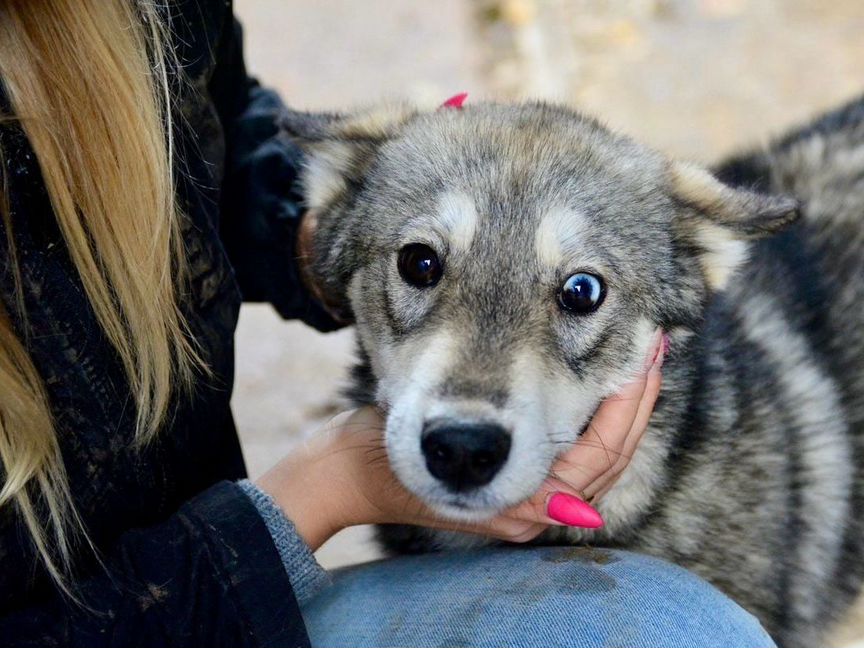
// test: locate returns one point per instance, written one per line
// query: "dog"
(506, 265)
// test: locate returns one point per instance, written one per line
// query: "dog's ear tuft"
(306, 128)
(369, 124)
(747, 213)
(338, 152)
(722, 219)
(339, 147)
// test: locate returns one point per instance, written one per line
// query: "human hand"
(341, 477)
(588, 470)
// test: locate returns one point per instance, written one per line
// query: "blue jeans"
(538, 596)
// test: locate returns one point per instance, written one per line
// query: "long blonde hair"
(88, 81)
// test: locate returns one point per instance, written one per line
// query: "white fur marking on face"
(408, 377)
(414, 370)
(457, 219)
(545, 411)
(556, 234)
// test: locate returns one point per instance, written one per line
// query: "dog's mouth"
(458, 504)
(474, 507)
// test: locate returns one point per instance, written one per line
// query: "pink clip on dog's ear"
(455, 101)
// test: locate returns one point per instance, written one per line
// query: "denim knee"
(562, 596)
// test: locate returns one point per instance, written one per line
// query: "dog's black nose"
(465, 456)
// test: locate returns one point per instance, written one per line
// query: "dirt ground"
(696, 78)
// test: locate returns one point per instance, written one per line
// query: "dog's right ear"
(338, 151)
(722, 220)
(339, 148)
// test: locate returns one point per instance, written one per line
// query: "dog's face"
(506, 267)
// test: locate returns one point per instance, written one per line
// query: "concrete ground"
(697, 78)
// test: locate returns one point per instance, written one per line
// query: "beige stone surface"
(697, 78)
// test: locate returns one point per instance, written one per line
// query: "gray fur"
(750, 472)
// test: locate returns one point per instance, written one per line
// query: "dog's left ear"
(338, 151)
(721, 219)
(339, 148)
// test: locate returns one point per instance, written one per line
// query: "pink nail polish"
(572, 511)
(653, 349)
(665, 351)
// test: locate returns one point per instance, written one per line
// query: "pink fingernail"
(572, 511)
(654, 349)
(665, 350)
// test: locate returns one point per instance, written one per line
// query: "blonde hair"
(89, 85)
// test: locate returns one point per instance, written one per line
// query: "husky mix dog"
(506, 265)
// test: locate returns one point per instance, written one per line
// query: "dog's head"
(505, 267)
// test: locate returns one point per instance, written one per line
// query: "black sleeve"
(208, 576)
(261, 206)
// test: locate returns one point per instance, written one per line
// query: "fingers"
(653, 382)
(511, 530)
(501, 527)
(534, 508)
(603, 448)
(554, 505)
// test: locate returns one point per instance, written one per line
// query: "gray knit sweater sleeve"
(306, 575)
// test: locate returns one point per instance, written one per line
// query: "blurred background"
(695, 78)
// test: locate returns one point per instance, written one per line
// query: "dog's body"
(752, 471)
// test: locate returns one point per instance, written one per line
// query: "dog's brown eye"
(419, 265)
(582, 293)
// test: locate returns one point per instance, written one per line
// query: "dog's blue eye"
(582, 293)
(419, 265)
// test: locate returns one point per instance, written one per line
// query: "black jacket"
(189, 561)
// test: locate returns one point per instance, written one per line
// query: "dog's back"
(765, 481)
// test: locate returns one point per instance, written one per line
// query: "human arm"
(207, 576)
(261, 205)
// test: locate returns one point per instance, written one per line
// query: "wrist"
(330, 482)
(296, 490)
(306, 575)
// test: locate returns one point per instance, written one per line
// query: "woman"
(144, 190)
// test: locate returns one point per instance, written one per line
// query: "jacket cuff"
(307, 576)
(251, 569)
